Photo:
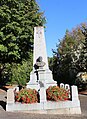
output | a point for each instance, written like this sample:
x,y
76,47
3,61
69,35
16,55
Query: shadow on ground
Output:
x,y
3,88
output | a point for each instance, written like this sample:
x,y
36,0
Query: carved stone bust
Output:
x,y
39,63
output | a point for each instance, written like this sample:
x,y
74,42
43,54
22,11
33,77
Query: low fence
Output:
x,y
46,107
73,92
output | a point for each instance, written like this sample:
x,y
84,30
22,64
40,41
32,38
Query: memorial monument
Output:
x,y
41,73
40,79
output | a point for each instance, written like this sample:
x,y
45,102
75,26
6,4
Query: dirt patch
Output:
x,y
2,91
7,87
83,92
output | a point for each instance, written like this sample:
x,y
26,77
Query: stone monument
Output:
x,y
40,79
41,73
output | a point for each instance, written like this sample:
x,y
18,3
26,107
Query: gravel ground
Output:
x,y
20,115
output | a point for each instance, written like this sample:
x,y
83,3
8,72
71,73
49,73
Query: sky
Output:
x,y
60,16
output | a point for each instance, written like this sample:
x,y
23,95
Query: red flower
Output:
x,y
27,96
55,93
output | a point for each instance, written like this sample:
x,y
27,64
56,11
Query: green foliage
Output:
x,y
20,73
83,57
68,57
50,62
17,21
5,71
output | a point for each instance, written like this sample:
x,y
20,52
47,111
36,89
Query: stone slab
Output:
x,y
74,92
62,107
24,107
10,96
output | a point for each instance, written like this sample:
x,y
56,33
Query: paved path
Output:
x,y
20,115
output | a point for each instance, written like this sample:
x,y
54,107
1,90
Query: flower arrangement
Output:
x,y
56,93
27,96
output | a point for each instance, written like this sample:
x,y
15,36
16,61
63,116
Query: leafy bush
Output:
x,y
20,73
56,93
27,96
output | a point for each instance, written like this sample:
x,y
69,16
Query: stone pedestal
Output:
x,y
74,92
10,96
42,91
33,83
41,75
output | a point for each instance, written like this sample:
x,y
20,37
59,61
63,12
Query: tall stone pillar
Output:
x,y
42,73
40,46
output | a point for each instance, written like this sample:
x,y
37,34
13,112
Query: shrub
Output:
x,y
20,73
27,96
56,93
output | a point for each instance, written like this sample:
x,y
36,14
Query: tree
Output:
x,y
81,80
17,21
83,57
67,56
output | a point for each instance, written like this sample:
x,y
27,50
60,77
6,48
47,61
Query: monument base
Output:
x,y
41,76
61,107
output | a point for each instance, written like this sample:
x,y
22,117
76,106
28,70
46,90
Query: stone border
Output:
x,y
47,107
61,107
